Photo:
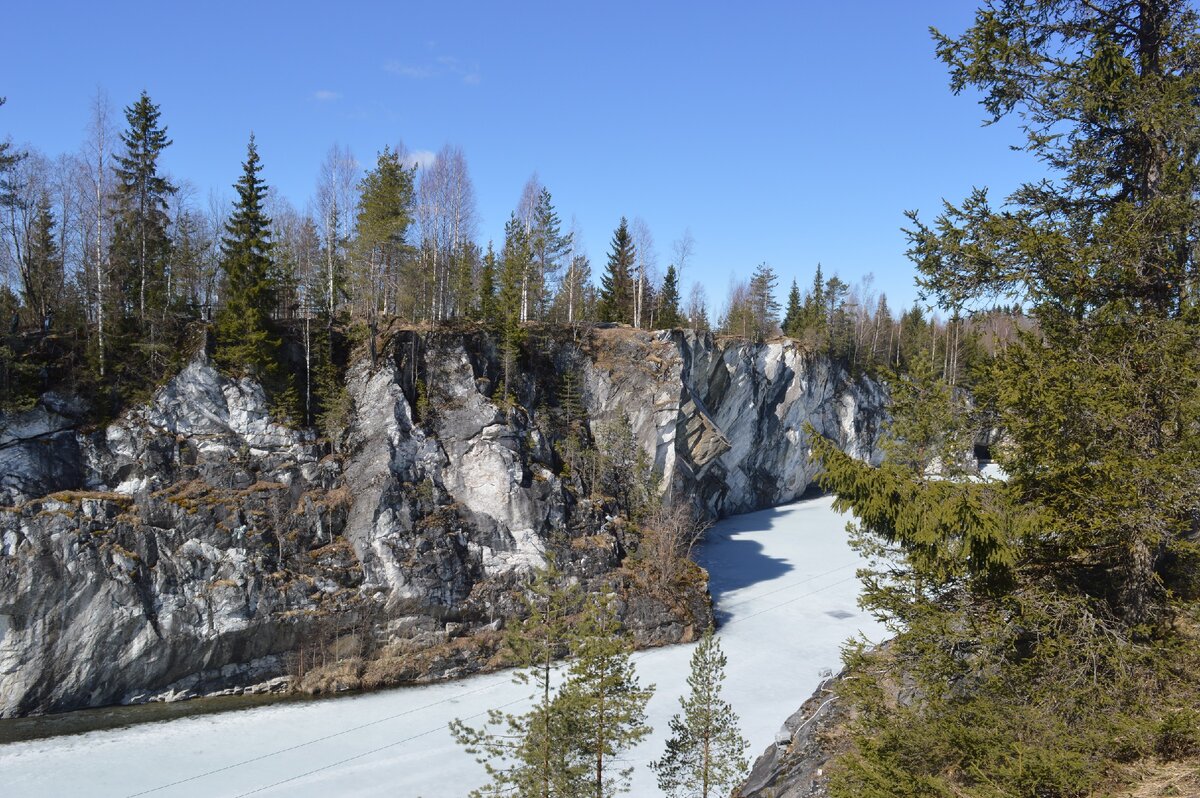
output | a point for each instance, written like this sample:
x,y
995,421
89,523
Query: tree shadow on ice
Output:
x,y
735,561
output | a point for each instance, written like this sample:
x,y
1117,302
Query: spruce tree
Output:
x,y
515,260
604,701
793,317
668,316
706,753
814,310
41,267
1036,616
616,284
140,251
245,341
141,245
488,311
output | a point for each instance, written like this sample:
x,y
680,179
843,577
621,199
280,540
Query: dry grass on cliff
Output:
x,y
403,663
1161,780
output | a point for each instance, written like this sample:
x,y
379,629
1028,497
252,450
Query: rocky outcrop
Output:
x,y
725,420
196,546
795,764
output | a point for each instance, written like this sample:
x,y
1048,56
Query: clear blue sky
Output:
x,y
787,132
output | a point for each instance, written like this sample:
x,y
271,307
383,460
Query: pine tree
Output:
x,y
548,245
763,304
668,316
245,341
706,753
381,226
793,318
525,754
604,702
616,284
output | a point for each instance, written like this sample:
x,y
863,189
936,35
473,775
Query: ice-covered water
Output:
x,y
786,595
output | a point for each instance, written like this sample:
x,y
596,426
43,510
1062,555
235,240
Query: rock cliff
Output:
x,y
196,546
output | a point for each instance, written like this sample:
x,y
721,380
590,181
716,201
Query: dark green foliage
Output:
x,y
706,753
763,304
569,742
141,245
515,265
245,339
527,754
488,309
144,342
1047,622
41,268
548,245
384,215
668,316
616,284
603,701
793,317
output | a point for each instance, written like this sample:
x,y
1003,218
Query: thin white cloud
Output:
x,y
442,65
410,70
326,96
419,158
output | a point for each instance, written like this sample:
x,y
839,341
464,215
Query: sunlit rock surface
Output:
x,y
194,545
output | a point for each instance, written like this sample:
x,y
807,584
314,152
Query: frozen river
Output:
x,y
786,595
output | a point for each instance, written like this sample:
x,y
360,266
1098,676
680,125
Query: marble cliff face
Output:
x,y
194,544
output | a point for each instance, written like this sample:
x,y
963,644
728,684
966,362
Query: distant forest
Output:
x,y
114,271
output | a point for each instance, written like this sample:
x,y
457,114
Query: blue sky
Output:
x,y
791,132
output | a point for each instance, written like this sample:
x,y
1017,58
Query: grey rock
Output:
x,y
194,545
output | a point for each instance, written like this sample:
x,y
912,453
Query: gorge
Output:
x,y
196,547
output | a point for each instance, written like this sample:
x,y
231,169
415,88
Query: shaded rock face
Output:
x,y
196,546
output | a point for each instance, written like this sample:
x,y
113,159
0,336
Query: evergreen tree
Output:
x,y
488,310
793,318
525,754
1062,582
668,316
41,267
548,246
243,326
141,246
384,215
515,259
706,753
616,284
140,251
839,327
604,702
814,311
763,304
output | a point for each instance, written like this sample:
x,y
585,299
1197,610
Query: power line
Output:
x,y
466,693
426,733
